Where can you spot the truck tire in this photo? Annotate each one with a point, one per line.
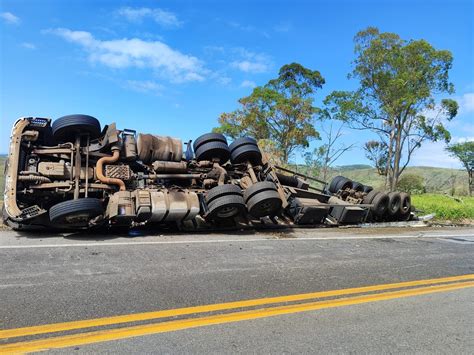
(370, 196)
(343, 183)
(394, 203)
(259, 187)
(207, 138)
(225, 207)
(212, 151)
(380, 205)
(66, 128)
(334, 182)
(262, 199)
(405, 207)
(264, 203)
(76, 212)
(245, 149)
(357, 186)
(222, 190)
(367, 188)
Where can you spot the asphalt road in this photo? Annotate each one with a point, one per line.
(49, 279)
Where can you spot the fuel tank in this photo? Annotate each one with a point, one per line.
(151, 148)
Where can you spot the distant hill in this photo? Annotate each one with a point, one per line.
(437, 180)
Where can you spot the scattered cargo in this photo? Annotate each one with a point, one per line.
(73, 174)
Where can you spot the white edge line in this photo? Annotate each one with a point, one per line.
(98, 244)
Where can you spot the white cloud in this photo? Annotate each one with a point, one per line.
(250, 67)
(248, 84)
(466, 103)
(434, 154)
(250, 62)
(9, 18)
(125, 53)
(464, 139)
(162, 17)
(28, 45)
(146, 86)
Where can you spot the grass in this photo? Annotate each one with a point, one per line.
(445, 208)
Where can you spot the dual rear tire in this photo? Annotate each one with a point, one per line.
(224, 202)
(262, 199)
(211, 146)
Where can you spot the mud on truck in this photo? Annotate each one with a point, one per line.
(73, 174)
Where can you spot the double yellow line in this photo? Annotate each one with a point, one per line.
(410, 288)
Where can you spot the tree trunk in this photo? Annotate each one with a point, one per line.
(388, 168)
(396, 160)
(470, 181)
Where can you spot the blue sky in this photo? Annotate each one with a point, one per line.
(171, 67)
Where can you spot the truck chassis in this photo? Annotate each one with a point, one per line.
(73, 174)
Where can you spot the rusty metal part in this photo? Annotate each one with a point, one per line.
(77, 166)
(34, 178)
(100, 169)
(86, 192)
(208, 183)
(142, 205)
(68, 185)
(121, 207)
(271, 175)
(205, 164)
(53, 169)
(52, 151)
(160, 166)
(129, 146)
(30, 136)
(222, 174)
(61, 171)
(151, 148)
(54, 185)
(11, 208)
(122, 172)
(251, 173)
(299, 174)
(245, 182)
(175, 176)
(174, 205)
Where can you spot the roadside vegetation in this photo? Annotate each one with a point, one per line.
(444, 207)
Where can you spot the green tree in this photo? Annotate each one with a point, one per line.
(465, 153)
(411, 183)
(281, 111)
(398, 82)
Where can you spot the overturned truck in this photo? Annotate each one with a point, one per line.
(73, 174)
